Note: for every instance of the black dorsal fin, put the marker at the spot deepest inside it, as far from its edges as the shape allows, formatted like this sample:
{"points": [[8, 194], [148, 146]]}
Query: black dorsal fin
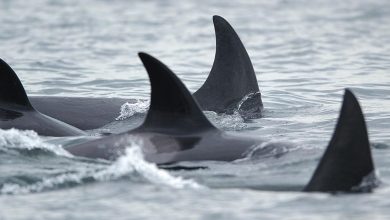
{"points": [[232, 76], [12, 93], [347, 159], [172, 108]]}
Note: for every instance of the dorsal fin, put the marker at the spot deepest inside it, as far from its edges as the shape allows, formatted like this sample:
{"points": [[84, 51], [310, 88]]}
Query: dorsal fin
{"points": [[347, 159], [232, 76], [12, 93], [172, 108]]}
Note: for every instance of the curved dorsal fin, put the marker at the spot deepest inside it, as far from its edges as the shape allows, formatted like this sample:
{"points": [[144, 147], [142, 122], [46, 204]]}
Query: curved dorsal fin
{"points": [[172, 108], [12, 93], [347, 159], [232, 76]]}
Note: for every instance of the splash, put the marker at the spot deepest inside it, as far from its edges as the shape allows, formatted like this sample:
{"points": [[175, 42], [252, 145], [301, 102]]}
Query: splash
{"points": [[368, 183], [269, 149], [132, 162], [227, 122], [237, 120], [233, 121], [27, 140], [246, 98], [250, 106], [130, 109]]}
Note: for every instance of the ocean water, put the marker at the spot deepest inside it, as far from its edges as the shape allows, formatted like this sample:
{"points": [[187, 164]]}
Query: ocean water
{"points": [[304, 53]]}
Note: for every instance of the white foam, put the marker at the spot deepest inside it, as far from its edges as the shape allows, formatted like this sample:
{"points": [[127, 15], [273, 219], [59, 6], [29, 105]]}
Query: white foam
{"points": [[130, 109], [29, 140], [132, 161]]}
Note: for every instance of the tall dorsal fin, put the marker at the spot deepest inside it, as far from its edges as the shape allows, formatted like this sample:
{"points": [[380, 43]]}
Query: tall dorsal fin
{"points": [[12, 93], [172, 108], [347, 159], [232, 76]]}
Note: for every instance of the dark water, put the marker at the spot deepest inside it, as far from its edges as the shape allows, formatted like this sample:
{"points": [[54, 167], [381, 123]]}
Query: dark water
{"points": [[304, 52]]}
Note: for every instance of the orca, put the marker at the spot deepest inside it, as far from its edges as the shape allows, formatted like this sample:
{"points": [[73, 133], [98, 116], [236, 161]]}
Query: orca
{"points": [[231, 86], [175, 129], [16, 110]]}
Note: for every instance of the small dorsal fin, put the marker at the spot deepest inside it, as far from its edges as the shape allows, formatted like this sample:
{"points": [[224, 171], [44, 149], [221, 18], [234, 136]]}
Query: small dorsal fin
{"points": [[232, 76], [347, 159], [12, 93], [172, 108]]}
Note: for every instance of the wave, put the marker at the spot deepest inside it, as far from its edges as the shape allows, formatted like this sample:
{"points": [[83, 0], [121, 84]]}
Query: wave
{"points": [[14, 139], [131, 163]]}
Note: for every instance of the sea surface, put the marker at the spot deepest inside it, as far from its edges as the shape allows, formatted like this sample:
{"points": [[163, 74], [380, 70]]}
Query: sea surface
{"points": [[304, 53]]}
